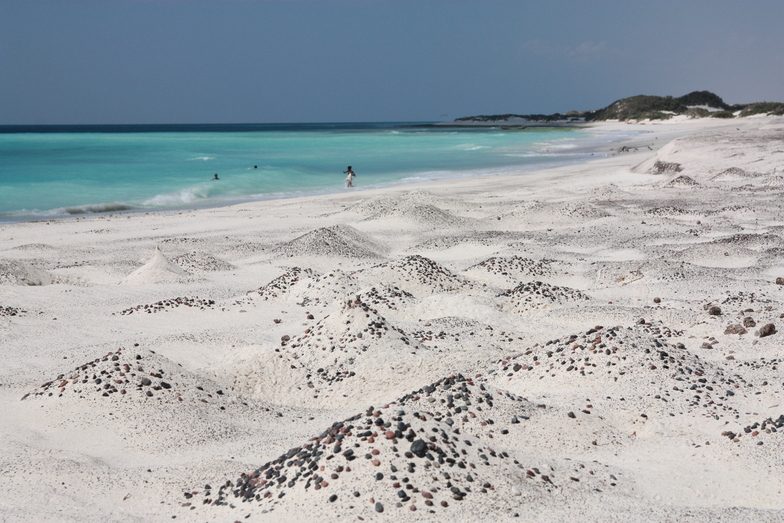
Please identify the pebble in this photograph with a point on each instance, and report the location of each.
(767, 330)
(379, 507)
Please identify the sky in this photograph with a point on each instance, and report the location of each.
(275, 61)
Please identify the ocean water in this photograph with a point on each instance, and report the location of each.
(58, 171)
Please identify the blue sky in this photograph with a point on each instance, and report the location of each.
(235, 61)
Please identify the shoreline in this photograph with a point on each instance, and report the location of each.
(577, 299)
(120, 207)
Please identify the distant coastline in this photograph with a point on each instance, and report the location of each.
(634, 109)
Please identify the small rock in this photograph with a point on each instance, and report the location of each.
(767, 330)
(749, 322)
(779, 281)
(735, 328)
(657, 300)
(379, 507)
(714, 310)
(419, 448)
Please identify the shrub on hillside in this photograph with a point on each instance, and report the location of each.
(774, 108)
(723, 114)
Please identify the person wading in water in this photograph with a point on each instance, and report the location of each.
(350, 177)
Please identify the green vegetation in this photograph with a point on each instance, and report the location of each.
(695, 105)
(657, 107)
(704, 98)
(775, 108)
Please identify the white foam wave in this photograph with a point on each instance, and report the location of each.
(184, 196)
(204, 158)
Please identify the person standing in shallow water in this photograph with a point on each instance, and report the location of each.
(349, 177)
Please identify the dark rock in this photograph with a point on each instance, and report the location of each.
(379, 507)
(419, 448)
(749, 322)
(767, 330)
(735, 328)
(714, 310)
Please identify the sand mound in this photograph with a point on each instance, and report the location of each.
(540, 212)
(644, 367)
(416, 274)
(667, 210)
(338, 240)
(419, 208)
(480, 238)
(608, 192)
(145, 391)
(330, 288)
(708, 154)
(35, 247)
(425, 215)
(537, 295)
(157, 270)
(718, 255)
(329, 362)
(19, 273)
(201, 262)
(734, 174)
(386, 298)
(280, 286)
(752, 241)
(429, 451)
(503, 271)
(680, 181)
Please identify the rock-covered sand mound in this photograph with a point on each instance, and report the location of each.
(433, 450)
(538, 295)
(505, 271)
(330, 361)
(336, 241)
(146, 392)
(418, 275)
(201, 262)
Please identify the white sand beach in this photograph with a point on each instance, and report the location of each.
(595, 342)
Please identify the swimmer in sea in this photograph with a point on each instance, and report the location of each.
(216, 177)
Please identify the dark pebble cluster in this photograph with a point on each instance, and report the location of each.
(280, 285)
(197, 261)
(173, 303)
(423, 271)
(537, 294)
(388, 297)
(515, 266)
(11, 311)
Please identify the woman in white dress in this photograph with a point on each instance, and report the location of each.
(349, 177)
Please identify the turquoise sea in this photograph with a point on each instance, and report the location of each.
(58, 171)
